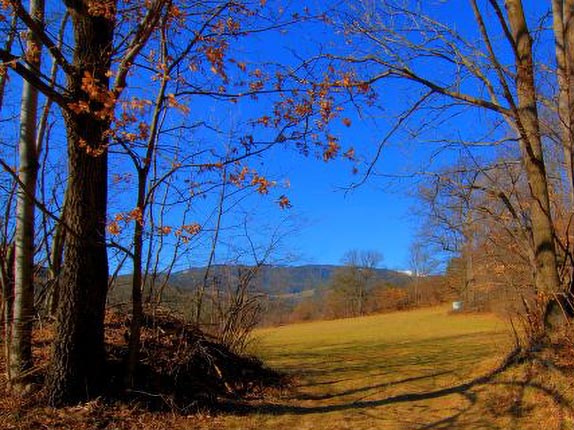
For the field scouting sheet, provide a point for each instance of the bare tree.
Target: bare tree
(509, 91)
(422, 264)
(20, 357)
(351, 283)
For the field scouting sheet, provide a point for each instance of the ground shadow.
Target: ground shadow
(461, 389)
(366, 388)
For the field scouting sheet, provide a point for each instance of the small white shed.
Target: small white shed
(457, 306)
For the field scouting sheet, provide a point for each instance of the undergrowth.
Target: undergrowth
(182, 372)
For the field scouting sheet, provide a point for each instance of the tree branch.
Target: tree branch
(141, 37)
(475, 101)
(15, 63)
(38, 30)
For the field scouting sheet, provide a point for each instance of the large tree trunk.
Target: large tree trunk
(546, 271)
(77, 369)
(20, 351)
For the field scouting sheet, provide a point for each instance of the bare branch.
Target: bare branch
(38, 30)
(32, 77)
(142, 34)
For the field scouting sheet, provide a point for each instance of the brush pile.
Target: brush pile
(184, 375)
(182, 367)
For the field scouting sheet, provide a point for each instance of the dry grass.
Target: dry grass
(411, 370)
(408, 370)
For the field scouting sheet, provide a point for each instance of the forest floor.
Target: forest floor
(422, 369)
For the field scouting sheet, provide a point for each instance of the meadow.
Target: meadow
(423, 369)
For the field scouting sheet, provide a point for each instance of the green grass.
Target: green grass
(405, 370)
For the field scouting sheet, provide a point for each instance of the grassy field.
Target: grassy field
(409, 370)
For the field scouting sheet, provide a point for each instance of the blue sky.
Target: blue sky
(366, 218)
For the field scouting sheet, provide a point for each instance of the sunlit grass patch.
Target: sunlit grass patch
(406, 370)
(424, 337)
(357, 372)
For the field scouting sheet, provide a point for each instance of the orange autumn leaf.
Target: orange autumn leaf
(284, 202)
(192, 229)
(332, 150)
(114, 228)
(164, 229)
(350, 154)
(262, 184)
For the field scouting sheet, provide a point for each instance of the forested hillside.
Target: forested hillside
(279, 280)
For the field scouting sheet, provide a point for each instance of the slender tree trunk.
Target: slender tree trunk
(20, 358)
(142, 205)
(77, 368)
(57, 249)
(56, 254)
(546, 269)
(563, 24)
(8, 300)
(202, 288)
(137, 306)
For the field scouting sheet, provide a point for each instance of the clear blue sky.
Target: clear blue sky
(335, 221)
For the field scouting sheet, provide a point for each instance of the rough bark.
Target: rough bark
(20, 351)
(546, 270)
(78, 362)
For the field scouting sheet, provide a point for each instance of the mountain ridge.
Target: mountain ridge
(281, 279)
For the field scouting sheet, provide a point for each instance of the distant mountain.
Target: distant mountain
(280, 279)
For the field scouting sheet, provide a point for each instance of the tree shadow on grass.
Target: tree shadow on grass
(470, 413)
(366, 388)
(452, 420)
(277, 409)
(516, 409)
(367, 375)
(461, 389)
